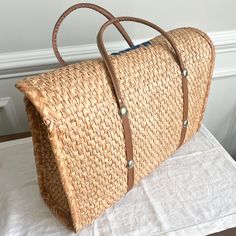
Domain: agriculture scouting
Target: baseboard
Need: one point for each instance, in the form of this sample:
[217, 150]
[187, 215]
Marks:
[26, 63]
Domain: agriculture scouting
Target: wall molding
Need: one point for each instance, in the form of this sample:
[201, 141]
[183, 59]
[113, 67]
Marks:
[224, 73]
[224, 41]
[26, 63]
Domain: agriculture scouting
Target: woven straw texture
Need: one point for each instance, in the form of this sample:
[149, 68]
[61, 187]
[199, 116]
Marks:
[77, 131]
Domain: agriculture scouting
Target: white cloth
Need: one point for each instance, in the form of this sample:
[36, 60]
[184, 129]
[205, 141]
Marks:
[192, 193]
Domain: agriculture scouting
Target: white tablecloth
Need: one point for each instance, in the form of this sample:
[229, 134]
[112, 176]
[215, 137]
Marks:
[192, 193]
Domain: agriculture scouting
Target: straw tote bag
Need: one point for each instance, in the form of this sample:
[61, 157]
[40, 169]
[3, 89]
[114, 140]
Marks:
[100, 126]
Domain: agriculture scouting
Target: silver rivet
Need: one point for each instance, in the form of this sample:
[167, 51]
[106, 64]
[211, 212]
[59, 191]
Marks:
[185, 73]
[185, 124]
[123, 111]
[130, 164]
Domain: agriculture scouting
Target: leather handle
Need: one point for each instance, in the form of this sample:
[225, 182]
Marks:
[120, 100]
[102, 49]
[94, 7]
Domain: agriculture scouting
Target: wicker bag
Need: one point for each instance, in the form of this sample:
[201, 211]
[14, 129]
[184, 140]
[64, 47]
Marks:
[100, 126]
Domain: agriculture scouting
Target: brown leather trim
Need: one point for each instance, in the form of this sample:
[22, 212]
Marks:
[94, 7]
[129, 150]
[120, 100]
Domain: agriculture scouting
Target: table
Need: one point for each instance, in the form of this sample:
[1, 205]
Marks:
[192, 193]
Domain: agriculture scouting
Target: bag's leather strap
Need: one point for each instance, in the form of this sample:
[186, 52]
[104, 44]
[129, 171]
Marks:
[94, 7]
[120, 101]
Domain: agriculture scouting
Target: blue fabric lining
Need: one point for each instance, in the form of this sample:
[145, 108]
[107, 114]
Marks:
[145, 44]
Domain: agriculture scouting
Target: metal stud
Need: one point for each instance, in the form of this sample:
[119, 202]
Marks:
[130, 164]
[185, 124]
[185, 73]
[123, 111]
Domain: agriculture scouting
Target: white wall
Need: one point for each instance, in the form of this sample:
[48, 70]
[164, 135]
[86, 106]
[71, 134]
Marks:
[25, 43]
[27, 24]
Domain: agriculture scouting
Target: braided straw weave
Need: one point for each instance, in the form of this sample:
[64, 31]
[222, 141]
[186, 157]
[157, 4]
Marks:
[77, 132]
